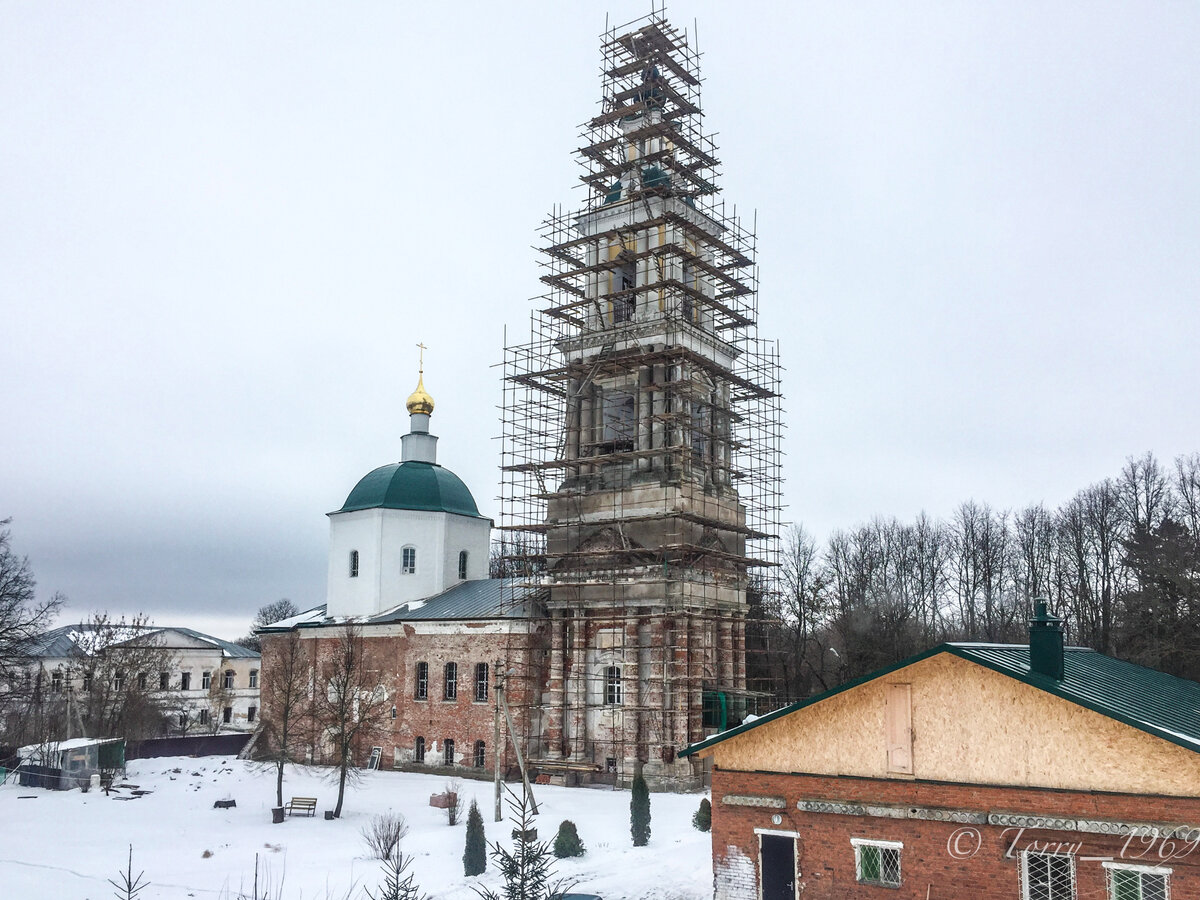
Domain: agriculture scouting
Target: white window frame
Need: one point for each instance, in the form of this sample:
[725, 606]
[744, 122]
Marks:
[353, 563]
[1163, 871]
[1026, 854]
[859, 843]
[614, 687]
[408, 560]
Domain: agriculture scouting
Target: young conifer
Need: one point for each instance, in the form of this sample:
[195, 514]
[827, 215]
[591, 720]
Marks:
[475, 854]
[639, 811]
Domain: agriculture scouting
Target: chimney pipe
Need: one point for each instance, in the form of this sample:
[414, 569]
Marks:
[1045, 642]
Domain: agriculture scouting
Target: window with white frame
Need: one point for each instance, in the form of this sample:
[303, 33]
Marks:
[205, 680]
[227, 682]
[1127, 881]
[353, 563]
[408, 561]
[462, 563]
[877, 862]
[612, 686]
[254, 678]
[1047, 876]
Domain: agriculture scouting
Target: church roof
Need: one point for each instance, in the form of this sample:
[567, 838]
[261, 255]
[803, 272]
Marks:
[412, 485]
[484, 598]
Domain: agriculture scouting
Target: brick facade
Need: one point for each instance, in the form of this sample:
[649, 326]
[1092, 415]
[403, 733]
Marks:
[977, 853]
[393, 654]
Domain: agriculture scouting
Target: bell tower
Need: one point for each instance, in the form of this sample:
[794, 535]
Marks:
[641, 477]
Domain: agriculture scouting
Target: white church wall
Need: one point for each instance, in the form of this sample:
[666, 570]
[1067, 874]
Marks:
[361, 530]
[472, 535]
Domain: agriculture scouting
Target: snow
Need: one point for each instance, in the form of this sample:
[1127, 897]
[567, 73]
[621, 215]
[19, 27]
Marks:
[69, 843]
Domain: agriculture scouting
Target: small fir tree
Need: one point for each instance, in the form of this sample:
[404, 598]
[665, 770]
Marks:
[702, 818]
[397, 881]
[475, 854]
[528, 869]
[567, 842]
[639, 812]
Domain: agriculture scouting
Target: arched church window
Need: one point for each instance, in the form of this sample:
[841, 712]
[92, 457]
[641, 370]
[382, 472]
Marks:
[481, 682]
[448, 752]
[419, 753]
[480, 754]
[353, 563]
[408, 561]
[612, 686]
[462, 563]
[422, 681]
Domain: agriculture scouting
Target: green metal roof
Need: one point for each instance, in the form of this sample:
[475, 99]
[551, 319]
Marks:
[412, 485]
[1149, 700]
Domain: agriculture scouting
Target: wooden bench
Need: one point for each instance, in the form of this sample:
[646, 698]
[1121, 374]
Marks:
[306, 806]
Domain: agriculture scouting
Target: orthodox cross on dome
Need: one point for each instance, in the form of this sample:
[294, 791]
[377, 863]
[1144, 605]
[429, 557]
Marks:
[419, 402]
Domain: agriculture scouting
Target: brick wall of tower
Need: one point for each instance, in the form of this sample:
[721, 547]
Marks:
[939, 859]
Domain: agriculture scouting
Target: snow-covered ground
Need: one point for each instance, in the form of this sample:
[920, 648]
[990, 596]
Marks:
[63, 844]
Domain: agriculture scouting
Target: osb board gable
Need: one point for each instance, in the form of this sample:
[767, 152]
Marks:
[970, 725]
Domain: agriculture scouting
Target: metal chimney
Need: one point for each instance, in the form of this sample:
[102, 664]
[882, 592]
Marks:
[1045, 642]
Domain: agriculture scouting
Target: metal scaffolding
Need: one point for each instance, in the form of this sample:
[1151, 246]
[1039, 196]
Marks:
[641, 482]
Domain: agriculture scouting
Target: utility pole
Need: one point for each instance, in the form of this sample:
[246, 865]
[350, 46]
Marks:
[496, 746]
[512, 736]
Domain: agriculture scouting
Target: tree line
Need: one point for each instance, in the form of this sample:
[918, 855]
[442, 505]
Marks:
[1119, 562]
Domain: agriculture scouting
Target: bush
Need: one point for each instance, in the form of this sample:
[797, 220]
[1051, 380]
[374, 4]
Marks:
[639, 812]
[567, 842]
[384, 834]
[475, 854]
[702, 818]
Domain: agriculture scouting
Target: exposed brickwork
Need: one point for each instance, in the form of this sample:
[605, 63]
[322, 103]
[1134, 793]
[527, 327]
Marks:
[825, 858]
[393, 660]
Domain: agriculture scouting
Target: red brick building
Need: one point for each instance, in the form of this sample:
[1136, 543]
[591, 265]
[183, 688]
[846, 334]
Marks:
[981, 770]
[437, 662]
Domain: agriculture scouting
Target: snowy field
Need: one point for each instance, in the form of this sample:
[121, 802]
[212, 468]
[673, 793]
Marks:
[67, 844]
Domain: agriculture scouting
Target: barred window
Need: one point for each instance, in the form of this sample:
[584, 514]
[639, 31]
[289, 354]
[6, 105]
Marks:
[408, 562]
[422, 681]
[353, 563]
[448, 752]
[419, 754]
[1132, 882]
[877, 862]
[462, 563]
[451, 688]
[481, 682]
[480, 754]
[1047, 876]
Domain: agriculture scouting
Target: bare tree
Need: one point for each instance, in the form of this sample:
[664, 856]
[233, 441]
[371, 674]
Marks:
[268, 614]
[1187, 492]
[349, 702]
[118, 671]
[23, 618]
[287, 710]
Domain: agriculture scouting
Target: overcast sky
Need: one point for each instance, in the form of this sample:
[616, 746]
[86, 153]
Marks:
[224, 227]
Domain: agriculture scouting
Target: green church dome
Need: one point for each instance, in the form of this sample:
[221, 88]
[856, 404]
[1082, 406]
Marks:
[412, 485]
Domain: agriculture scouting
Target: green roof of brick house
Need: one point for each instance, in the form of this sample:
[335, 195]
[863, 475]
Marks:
[1151, 701]
[412, 485]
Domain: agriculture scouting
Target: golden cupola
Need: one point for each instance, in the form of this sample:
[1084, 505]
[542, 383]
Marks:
[419, 402]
